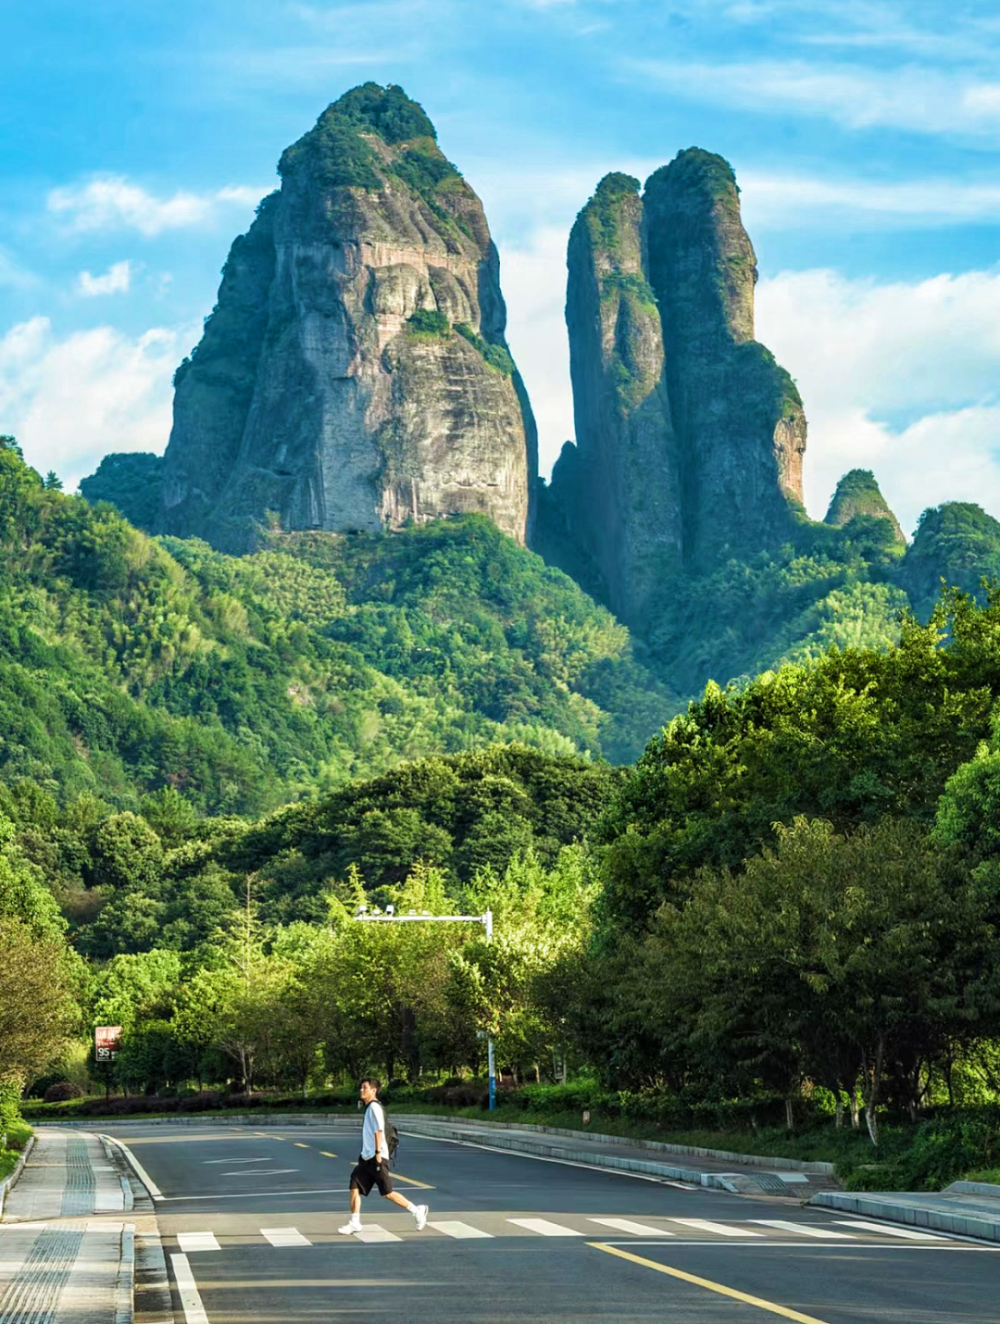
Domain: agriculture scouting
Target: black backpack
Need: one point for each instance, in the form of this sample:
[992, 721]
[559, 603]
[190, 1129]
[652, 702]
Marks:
[390, 1132]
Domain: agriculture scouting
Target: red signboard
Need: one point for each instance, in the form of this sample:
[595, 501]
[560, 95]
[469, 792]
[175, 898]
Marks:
[107, 1041]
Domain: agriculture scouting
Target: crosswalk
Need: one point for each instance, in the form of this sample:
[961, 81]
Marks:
[702, 1229]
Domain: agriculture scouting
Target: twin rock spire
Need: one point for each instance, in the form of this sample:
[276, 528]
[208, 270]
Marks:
[354, 373]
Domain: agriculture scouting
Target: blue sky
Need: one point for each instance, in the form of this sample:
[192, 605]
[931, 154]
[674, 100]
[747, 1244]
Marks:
[136, 139]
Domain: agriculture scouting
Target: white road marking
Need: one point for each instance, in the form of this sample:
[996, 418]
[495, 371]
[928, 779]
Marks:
[187, 1288]
[260, 1172]
[371, 1232]
[192, 1241]
[908, 1233]
[803, 1229]
[143, 1175]
[237, 1160]
[544, 1228]
[284, 1236]
[637, 1229]
[462, 1231]
[720, 1229]
[255, 1195]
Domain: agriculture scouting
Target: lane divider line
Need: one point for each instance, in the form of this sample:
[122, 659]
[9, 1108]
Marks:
[194, 1311]
[326, 1153]
[720, 1289]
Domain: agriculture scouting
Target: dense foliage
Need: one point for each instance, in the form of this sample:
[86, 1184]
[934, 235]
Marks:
[128, 665]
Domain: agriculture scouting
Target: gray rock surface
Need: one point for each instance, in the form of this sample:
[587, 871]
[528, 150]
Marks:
[629, 479]
[331, 389]
[690, 436]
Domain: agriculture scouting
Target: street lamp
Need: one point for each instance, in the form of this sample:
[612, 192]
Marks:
[376, 916]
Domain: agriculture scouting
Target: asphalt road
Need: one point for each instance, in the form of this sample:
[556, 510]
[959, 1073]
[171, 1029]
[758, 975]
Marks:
[249, 1222]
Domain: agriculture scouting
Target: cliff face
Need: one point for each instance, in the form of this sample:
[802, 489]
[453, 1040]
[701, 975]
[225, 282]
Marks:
[738, 414]
[690, 437]
[354, 373]
[628, 479]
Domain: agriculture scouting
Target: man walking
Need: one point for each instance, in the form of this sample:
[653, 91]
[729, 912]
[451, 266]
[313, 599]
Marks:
[373, 1164]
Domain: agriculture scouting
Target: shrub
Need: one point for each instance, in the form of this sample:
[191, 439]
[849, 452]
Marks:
[61, 1090]
[429, 322]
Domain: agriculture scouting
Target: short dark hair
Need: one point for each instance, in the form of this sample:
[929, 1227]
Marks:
[373, 1081]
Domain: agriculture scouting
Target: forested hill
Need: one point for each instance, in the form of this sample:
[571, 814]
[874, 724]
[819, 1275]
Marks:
[129, 664]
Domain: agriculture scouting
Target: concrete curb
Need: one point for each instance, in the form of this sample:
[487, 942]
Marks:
[125, 1285]
[150, 1297]
[882, 1205]
[974, 1188]
[9, 1182]
[433, 1119]
[613, 1162]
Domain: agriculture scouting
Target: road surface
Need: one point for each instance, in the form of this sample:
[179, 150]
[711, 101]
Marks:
[249, 1223]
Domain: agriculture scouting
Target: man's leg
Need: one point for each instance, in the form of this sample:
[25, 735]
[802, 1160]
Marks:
[353, 1224]
[419, 1211]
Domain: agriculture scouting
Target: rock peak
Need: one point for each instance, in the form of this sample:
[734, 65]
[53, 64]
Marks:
[354, 373]
[858, 493]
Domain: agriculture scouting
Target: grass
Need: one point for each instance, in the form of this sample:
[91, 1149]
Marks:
[18, 1134]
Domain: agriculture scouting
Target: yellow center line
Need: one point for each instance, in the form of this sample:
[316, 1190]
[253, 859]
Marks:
[412, 1181]
[326, 1153]
[719, 1288]
[299, 1145]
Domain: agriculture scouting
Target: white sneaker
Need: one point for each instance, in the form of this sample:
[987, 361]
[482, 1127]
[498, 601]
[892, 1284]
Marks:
[349, 1228]
[420, 1214]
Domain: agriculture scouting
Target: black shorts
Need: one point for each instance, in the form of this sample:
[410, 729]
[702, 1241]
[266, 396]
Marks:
[371, 1172]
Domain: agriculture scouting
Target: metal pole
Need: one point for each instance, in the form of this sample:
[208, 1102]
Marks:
[487, 922]
[490, 1060]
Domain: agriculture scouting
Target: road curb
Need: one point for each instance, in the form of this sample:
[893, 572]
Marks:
[151, 1300]
[8, 1183]
[125, 1285]
[883, 1206]
[610, 1162]
[775, 1164]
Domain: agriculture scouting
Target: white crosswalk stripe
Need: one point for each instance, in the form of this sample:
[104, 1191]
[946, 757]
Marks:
[803, 1229]
[909, 1233]
[544, 1228]
[192, 1241]
[720, 1229]
[461, 1231]
[284, 1236]
[371, 1232]
[634, 1229]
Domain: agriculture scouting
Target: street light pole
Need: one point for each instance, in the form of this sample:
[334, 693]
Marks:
[486, 920]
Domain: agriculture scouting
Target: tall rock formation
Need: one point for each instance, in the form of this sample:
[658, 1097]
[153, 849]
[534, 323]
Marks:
[628, 480]
[690, 437]
[859, 494]
[737, 413]
[354, 374]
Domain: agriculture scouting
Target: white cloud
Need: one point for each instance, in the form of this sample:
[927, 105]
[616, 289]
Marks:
[70, 401]
[864, 352]
[914, 97]
[112, 203]
[778, 202]
[116, 280]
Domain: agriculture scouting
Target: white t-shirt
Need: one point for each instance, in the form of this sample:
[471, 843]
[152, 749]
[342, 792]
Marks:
[374, 1121]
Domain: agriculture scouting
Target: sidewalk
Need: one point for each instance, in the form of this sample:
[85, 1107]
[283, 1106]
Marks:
[965, 1208]
[67, 1254]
